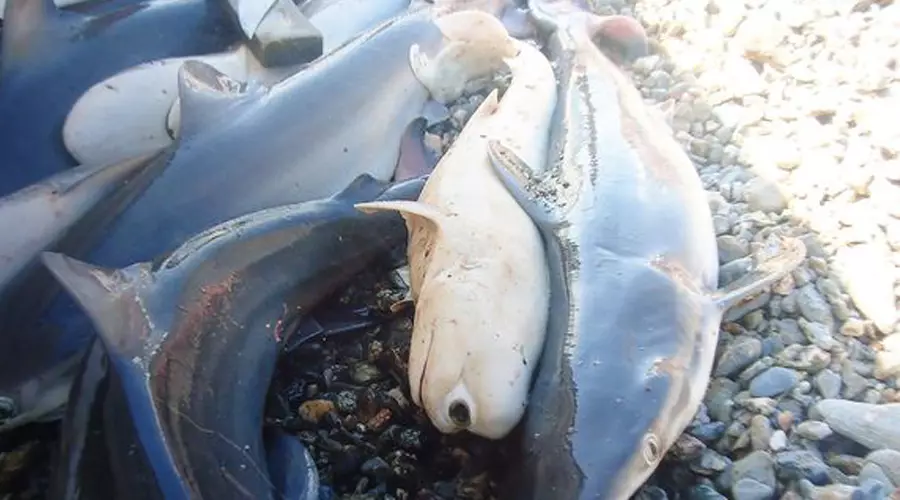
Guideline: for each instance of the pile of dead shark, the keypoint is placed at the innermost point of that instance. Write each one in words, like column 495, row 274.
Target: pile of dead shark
column 184, row 181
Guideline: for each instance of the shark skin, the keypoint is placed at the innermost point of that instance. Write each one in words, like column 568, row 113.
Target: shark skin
column 65, row 213
column 471, row 356
column 634, row 310
column 51, row 56
column 192, row 341
column 137, row 110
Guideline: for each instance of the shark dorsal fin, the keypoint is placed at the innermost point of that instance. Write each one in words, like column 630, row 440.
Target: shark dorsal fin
column 108, row 297
column 363, row 187
column 206, row 95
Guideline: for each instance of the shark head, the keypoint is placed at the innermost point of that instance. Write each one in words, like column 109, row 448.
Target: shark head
column 477, row 46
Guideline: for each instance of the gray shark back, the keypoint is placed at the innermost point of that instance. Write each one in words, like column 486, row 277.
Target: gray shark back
column 286, row 145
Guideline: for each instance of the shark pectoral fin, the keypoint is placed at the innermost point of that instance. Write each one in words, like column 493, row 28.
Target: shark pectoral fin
column 425, row 224
column 521, row 182
column 206, row 95
column 415, row 159
column 420, row 65
column 620, row 36
column 410, row 210
column 106, row 296
column 782, row 261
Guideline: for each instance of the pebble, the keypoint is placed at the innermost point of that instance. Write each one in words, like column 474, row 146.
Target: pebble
column 773, row 382
column 828, row 384
column 751, row 489
column 760, row 432
column 764, row 196
column 315, row 410
column 868, row 271
column 873, row 426
column 758, row 465
column 738, row 355
column 888, row 461
column 794, row 465
column 778, row 441
column 731, row 248
column 813, row 430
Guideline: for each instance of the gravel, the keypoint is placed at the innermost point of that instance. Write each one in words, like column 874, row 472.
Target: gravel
column 788, row 110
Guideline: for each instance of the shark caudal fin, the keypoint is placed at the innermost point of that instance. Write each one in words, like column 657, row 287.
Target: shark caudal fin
column 207, row 95
column 771, row 268
column 108, row 297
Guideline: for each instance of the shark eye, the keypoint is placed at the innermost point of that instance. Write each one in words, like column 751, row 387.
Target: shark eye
column 459, row 414
column 7, row 409
column 651, row 449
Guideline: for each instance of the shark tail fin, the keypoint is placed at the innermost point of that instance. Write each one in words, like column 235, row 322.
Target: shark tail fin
column 108, row 297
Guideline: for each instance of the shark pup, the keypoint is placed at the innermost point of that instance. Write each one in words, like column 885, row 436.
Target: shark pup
column 634, row 309
column 193, row 340
column 477, row 266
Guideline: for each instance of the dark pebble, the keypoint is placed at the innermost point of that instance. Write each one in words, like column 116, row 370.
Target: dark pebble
column 652, row 493
column 738, row 355
column 751, row 489
column 796, row 465
column 376, row 467
column 708, row 432
column 705, row 492
column 410, row 439
column 346, row 402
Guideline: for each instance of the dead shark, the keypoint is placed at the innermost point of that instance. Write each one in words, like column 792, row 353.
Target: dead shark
column 634, row 309
column 129, row 113
column 194, row 337
column 472, row 356
column 51, row 56
column 64, row 213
